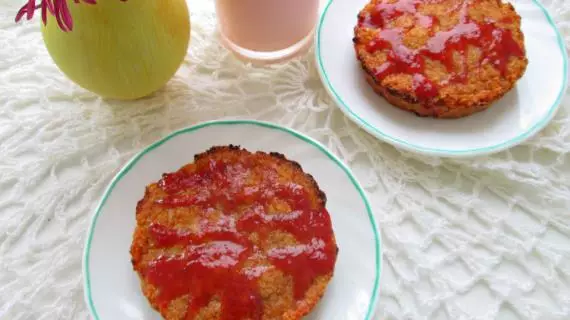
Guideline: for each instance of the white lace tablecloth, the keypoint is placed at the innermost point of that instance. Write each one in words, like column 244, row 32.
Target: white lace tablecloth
column 462, row 239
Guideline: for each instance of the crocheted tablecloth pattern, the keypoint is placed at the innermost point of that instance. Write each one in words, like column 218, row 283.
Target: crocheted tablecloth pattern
column 478, row 238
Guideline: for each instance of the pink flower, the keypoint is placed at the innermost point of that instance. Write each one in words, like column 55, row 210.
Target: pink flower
column 57, row 8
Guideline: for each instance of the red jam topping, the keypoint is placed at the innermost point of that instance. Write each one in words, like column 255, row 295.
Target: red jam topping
column 496, row 44
column 213, row 258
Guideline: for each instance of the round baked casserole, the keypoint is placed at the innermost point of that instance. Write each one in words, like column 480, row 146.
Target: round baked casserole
column 440, row 58
column 234, row 235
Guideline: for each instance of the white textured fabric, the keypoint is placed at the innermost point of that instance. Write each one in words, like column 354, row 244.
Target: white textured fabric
column 463, row 239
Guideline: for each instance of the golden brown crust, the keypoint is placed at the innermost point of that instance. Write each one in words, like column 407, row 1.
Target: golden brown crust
column 437, row 111
column 484, row 84
column 276, row 155
column 276, row 287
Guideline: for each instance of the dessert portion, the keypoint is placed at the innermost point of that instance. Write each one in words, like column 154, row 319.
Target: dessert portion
column 234, row 235
column 440, row 58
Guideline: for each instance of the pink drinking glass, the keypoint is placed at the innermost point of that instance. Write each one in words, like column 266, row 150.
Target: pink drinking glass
column 267, row 30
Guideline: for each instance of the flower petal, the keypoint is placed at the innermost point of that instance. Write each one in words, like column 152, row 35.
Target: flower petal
column 66, row 15
column 50, row 7
column 57, row 9
column 21, row 13
column 31, row 8
column 44, row 12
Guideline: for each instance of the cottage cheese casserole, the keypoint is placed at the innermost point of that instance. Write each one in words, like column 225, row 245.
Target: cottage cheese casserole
column 234, row 235
column 440, row 58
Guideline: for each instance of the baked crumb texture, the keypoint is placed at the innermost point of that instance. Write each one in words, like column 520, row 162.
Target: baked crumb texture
column 440, row 58
column 234, row 235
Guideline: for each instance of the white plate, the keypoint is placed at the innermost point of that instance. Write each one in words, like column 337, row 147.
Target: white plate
column 519, row 115
column 112, row 289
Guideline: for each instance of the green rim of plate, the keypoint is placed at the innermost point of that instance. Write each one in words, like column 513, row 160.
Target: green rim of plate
column 316, row 144
column 435, row 151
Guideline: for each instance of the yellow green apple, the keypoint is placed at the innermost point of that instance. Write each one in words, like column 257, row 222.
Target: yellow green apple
column 121, row 49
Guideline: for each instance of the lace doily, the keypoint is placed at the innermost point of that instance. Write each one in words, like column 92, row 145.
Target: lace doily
column 462, row 239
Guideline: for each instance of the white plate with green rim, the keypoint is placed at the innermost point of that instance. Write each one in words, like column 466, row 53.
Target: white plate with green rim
column 112, row 288
column 516, row 117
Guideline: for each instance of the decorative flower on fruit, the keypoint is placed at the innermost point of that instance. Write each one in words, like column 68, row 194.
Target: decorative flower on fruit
column 57, row 8
column 115, row 48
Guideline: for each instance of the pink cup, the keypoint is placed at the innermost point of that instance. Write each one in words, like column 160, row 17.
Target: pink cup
column 267, row 30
